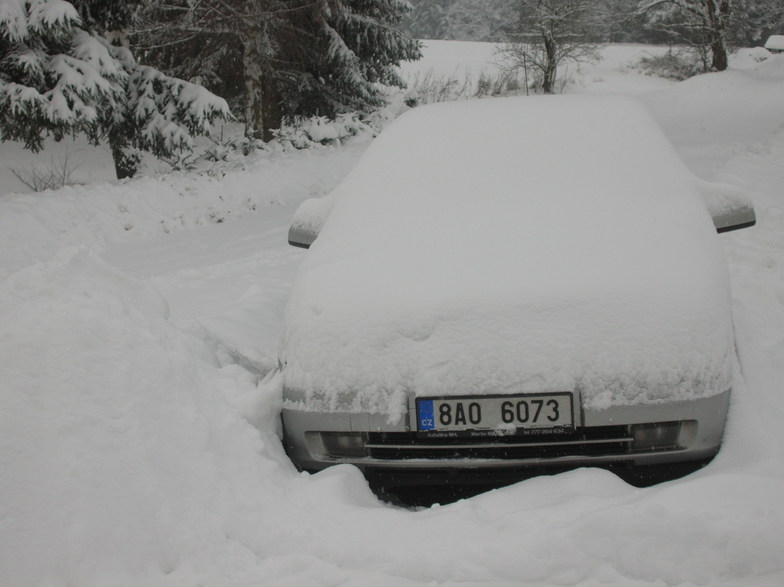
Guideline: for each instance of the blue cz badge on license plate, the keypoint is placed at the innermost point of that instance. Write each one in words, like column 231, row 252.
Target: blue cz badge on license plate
column 425, row 417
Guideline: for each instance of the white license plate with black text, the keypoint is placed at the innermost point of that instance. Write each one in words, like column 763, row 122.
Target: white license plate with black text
column 533, row 411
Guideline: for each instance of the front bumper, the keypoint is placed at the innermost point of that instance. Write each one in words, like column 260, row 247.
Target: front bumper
column 635, row 435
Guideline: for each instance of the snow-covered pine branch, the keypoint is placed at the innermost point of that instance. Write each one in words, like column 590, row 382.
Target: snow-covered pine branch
column 60, row 77
column 168, row 111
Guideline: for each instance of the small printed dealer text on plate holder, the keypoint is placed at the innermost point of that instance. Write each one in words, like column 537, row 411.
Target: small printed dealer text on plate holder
column 495, row 415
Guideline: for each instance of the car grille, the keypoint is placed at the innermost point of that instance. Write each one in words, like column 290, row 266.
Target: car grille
column 596, row 441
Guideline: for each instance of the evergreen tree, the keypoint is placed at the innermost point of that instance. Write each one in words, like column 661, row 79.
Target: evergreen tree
column 59, row 75
column 755, row 20
column 355, row 46
column 619, row 22
column 293, row 57
column 488, row 20
column 427, row 19
column 228, row 44
column 103, row 16
column 462, row 20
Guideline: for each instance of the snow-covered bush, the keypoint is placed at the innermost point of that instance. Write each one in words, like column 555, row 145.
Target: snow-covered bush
column 323, row 131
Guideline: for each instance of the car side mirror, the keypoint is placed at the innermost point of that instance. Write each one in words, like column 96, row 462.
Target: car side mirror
column 308, row 220
column 735, row 218
column 301, row 236
column 729, row 208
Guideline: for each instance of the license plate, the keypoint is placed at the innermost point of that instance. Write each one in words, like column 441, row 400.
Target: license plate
column 502, row 413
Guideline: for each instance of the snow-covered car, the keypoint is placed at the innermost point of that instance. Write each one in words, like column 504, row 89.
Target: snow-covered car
column 775, row 44
column 512, row 283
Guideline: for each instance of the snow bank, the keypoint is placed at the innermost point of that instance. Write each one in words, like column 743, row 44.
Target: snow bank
column 129, row 459
column 540, row 244
column 34, row 226
column 116, row 427
column 731, row 109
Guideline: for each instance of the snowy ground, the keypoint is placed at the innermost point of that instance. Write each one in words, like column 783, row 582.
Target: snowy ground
column 137, row 446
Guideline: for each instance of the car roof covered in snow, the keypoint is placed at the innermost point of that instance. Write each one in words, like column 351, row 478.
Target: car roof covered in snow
column 775, row 43
column 530, row 243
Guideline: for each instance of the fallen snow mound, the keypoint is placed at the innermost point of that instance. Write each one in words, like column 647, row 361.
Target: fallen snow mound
column 115, row 443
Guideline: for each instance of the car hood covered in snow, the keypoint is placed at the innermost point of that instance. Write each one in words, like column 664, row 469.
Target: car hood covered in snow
column 513, row 245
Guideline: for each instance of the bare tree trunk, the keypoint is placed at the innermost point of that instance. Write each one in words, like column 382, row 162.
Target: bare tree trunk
column 263, row 112
column 718, row 15
column 551, row 64
column 254, row 83
column 273, row 112
column 125, row 164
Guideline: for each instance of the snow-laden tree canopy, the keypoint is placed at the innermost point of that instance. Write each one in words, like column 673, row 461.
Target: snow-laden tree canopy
column 59, row 77
column 283, row 58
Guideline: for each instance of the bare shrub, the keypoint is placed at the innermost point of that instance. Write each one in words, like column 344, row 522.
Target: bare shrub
column 51, row 176
column 429, row 88
column 503, row 83
column 675, row 64
column 548, row 34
